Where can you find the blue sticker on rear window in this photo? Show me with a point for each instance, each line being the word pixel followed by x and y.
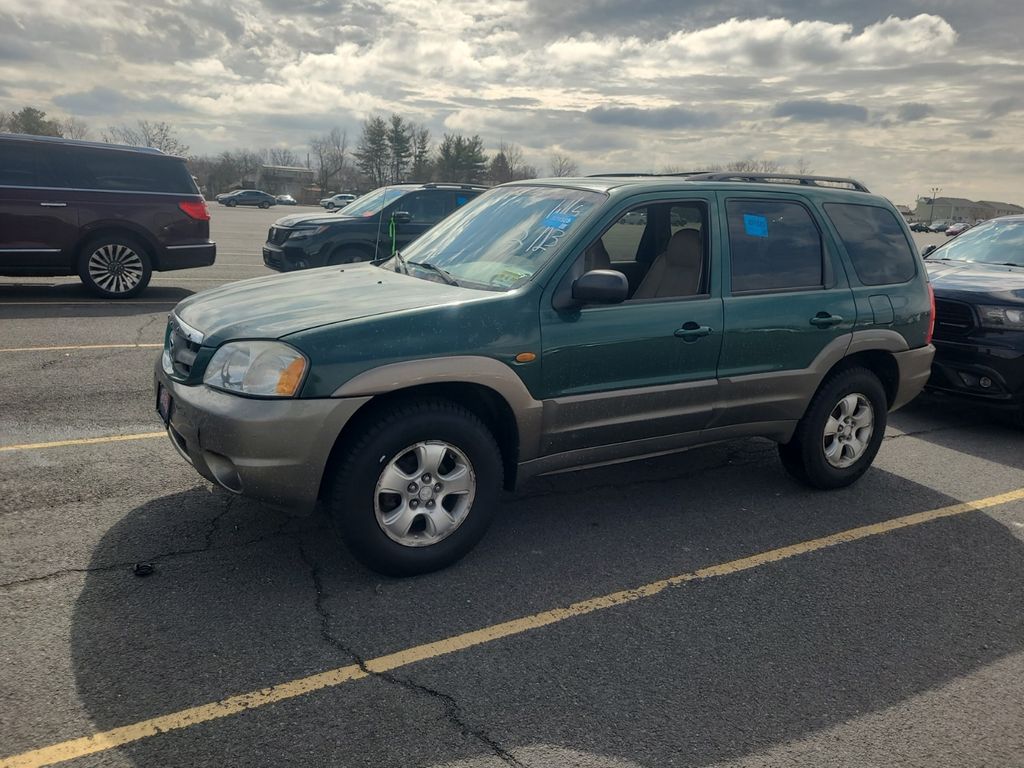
pixel 755 226
pixel 559 220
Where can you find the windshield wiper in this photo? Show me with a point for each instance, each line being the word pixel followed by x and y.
pixel 400 261
pixel 1011 264
pixel 444 273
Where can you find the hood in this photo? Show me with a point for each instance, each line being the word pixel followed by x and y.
pixel 315 218
pixel 278 305
pixel 972 281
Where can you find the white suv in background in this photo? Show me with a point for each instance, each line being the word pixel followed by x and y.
pixel 337 201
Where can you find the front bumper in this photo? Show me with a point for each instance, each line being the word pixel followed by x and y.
pixel 271 450
pixel 290 258
pixel 961 367
pixel 914 368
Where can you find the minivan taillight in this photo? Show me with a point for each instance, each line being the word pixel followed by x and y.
pixel 931 318
pixel 195 209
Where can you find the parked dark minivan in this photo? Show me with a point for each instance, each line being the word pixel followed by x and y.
pixel 108 213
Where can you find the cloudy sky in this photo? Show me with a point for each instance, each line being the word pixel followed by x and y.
pixel 902 94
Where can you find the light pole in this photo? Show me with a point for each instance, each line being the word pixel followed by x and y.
pixel 931 213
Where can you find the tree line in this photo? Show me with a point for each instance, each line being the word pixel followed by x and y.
pixel 389 150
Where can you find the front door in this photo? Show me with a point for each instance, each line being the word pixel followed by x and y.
pixel 647 367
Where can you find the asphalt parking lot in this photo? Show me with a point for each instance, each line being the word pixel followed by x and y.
pixel 691 610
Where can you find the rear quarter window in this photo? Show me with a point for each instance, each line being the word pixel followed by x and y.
pixel 875 242
pixel 114 170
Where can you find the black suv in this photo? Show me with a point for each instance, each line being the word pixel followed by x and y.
pixel 371 226
pixel 979 322
pixel 247 197
pixel 110 214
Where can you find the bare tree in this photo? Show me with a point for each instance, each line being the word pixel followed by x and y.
pixel 280 156
pixel 803 167
pixel 563 165
pixel 74 128
pixel 750 165
pixel 330 153
pixel 159 135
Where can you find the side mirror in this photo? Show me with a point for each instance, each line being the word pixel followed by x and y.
pixel 601 286
pixel 401 217
pixel 929 249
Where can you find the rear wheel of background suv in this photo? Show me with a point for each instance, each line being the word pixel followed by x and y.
pixel 115 267
pixel 841 431
pixel 347 256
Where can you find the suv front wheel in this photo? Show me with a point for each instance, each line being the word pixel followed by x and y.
pixel 115 267
pixel 841 432
pixel 417 488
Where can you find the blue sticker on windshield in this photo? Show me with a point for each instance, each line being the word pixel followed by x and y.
pixel 755 226
pixel 559 221
pixel 461 200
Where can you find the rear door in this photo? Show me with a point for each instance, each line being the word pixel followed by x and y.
pixel 789 310
pixel 38 218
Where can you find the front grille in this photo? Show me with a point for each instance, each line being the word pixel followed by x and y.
pixel 183 345
pixel 277 235
pixel 271 259
pixel 952 318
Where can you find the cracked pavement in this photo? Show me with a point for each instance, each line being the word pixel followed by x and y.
pixel 906 649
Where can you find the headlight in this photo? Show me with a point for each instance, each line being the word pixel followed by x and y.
pixel 301 234
pixel 1005 318
pixel 264 368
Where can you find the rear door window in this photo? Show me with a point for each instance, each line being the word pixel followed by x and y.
pixel 774 246
pixel 116 170
pixel 875 242
pixel 16 165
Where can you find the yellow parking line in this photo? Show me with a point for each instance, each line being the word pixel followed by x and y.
pixel 82 441
pixel 233 705
pixel 81 346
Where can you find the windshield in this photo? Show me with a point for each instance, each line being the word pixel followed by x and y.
pixel 372 202
pixel 995 242
pixel 502 238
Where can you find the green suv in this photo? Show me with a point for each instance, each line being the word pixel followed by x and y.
pixel 550 325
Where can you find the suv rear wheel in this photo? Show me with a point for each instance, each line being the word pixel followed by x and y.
pixel 417 488
pixel 347 256
pixel 115 267
pixel 841 431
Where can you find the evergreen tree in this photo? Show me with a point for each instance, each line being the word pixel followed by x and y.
pixel 421 162
pixel 400 148
pixel 372 154
pixel 33 121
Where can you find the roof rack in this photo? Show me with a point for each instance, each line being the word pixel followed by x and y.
pixel 451 185
pixel 778 178
pixel 832 182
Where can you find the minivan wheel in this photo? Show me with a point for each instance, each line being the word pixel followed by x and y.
pixel 841 431
pixel 115 267
pixel 417 488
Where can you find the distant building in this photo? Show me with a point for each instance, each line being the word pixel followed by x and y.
pixel 905 212
pixel 284 179
pixel 961 209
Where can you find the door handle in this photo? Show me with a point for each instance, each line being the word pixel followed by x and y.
pixel 825 320
pixel 692 331
pixel 54 205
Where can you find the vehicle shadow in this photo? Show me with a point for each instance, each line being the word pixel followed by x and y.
pixel 36 300
pixel 703 672
pixel 967 427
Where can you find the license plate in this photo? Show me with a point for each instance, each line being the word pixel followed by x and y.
pixel 164 403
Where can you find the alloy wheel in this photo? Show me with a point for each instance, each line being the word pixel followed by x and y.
pixel 848 430
pixel 115 268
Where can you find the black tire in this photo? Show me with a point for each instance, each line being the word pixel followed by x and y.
pixel 231 204
pixel 347 256
pixel 264 204
pixel 128 267
pixel 329 206
pixel 804 456
pixel 352 484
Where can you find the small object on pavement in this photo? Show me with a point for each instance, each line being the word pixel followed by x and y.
pixel 144 569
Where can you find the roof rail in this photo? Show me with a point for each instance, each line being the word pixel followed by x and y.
pixel 452 185
pixel 764 178
pixel 776 178
pixel 80 143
